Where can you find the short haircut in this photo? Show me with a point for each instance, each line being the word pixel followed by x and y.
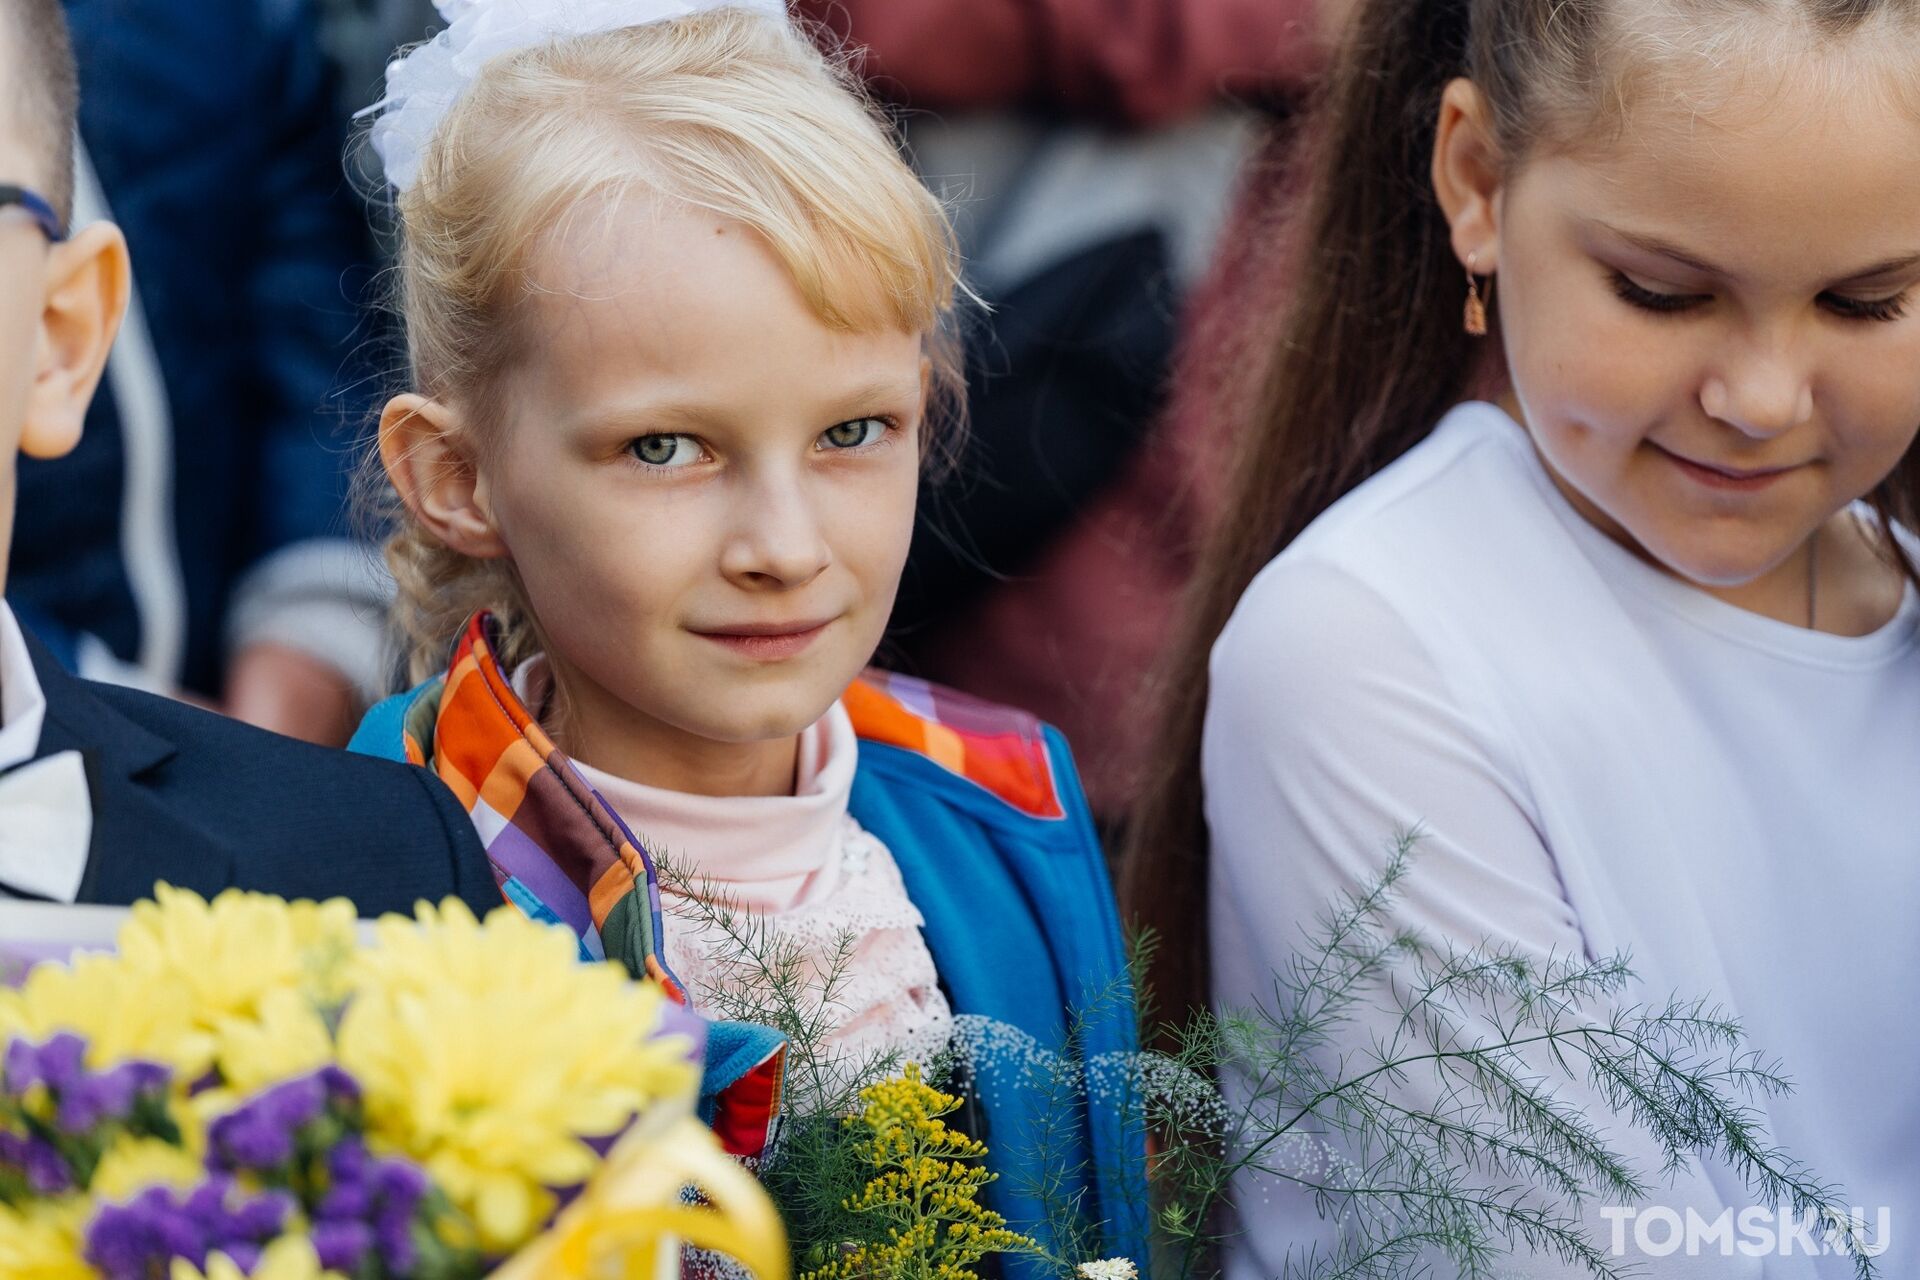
pixel 46 98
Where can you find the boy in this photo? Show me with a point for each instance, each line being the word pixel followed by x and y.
pixel 104 791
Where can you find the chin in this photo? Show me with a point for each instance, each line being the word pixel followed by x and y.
pixel 1722 566
pixel 767 720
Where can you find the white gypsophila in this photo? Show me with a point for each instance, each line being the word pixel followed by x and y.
pixel 424 82
pixel 1109 1269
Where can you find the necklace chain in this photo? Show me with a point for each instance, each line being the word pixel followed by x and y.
pixel 1813 580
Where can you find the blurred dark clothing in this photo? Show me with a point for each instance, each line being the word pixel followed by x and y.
pixel 1060 390
pixel 212 127
pixel 1137 62
pixel 1077 633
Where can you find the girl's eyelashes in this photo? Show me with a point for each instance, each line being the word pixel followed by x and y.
pixel 1636 295
pixel 666 452
pixel 855 432
pixel 1883 309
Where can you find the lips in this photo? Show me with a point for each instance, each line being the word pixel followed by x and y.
pixel 1715 475
pixel 766 641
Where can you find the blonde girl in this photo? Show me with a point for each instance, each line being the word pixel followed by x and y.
pixel 678 319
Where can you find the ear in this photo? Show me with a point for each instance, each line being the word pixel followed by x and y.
pixel 88 284
pixel 1467 175
pixel 427 457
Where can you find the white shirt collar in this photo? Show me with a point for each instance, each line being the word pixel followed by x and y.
pixel 46 817
pixel 23 704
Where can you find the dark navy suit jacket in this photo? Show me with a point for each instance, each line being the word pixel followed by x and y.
pixel 205 802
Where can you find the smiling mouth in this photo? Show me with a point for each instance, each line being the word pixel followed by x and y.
pixel 767 642
pixel 1716 476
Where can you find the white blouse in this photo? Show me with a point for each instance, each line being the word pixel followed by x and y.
pixel 1603 759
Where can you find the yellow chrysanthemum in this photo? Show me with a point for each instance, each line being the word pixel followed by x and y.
pixel 131 1165
pixel 43 1242
pixel 253 969
pixel 285 1038
pixel 121 1012
pixel 323 934
pixel 231 953
pixel 487 1052
pixel 288 1258
pixel 447 946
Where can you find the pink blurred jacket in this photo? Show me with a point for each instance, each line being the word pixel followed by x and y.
pixel 1140 61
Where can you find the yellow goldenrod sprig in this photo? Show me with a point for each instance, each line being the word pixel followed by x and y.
pixel 935 1228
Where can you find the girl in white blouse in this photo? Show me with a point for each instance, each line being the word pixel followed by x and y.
pixel 1637 646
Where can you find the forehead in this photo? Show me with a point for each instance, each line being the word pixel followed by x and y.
pixel 644 294
pixel 1805 160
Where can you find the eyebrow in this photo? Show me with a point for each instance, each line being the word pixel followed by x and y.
pixel 1660 248
pixel 669 414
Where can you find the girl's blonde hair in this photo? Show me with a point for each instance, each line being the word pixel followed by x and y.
pixel 727 111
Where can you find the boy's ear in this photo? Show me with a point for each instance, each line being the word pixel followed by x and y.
pixel 1467 175
pixel 423 450
pixel 88 282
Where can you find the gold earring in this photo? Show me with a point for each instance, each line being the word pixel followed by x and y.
pixel 1475 320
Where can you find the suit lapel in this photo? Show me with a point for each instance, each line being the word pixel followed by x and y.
pixel 137 839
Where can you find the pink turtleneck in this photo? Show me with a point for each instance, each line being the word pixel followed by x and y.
pixel 806 876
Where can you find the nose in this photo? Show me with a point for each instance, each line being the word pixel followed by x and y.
pixel 777 539
pixel 1763 392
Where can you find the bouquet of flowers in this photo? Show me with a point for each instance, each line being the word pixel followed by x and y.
pixel 246 1089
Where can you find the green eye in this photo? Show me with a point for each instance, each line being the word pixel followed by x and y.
pixel 851 435
pixel 666 451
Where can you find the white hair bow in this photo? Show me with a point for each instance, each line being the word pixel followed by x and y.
pixel 424 82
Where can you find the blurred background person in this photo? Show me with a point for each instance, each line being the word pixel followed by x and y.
pixel 196 540
pixel 1093 152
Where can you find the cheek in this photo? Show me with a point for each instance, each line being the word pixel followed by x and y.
pixel 1578 357
pixel 873 526
pixel 592 557
pixel 1873 391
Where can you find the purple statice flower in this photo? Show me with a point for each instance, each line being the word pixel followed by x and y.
pixel 371 1202
pixel 258 1219
pixel 350 1188
pixel 83 1099
pixel 138 1239
pixel 401 1182
pixel 260 1135
pixel 402 1186
pixel 135 1240
pixel 108 1095
pixel 58 1064
pixel 249 1138
pixel 44 1167
pixel 340 1086
pixel 342 1245
pixel 244 1254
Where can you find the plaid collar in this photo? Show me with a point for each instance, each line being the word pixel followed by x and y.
pixel 559 851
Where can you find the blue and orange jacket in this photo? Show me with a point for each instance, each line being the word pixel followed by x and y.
pixel 982 810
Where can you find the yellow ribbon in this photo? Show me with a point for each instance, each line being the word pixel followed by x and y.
pixel 630 1222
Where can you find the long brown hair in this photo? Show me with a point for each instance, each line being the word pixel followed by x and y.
pixel 1373 353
